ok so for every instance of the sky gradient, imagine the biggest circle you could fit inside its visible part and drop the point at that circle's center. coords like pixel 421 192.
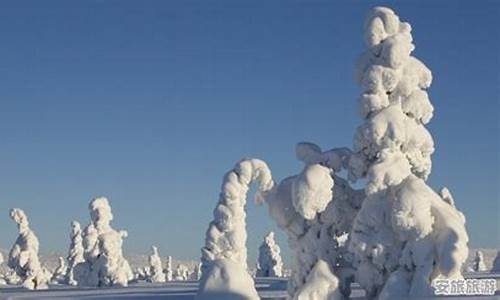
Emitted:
pixel 150 102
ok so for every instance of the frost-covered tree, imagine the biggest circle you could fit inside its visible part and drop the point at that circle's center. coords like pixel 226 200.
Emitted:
pixel 75 253
pixel 269 261
pixel 181 272
pixel 23 257
pixel 59 275
pixel 316 209
pixel 168 269
pixel 496 264
pixel 478 262
pixel 155 268
pixel 104 263
pixel 224 256
pixel 405 234
pixel 196 275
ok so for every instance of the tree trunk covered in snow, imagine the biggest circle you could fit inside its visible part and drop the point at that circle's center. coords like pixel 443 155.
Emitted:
pixel 405 234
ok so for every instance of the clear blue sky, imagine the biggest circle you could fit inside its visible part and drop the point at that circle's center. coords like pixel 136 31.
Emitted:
pixel 151 102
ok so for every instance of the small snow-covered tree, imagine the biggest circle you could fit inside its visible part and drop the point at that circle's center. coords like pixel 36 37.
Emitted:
pixel 224 256
pixel 104 263
pixel 168 269
pixel 155 268
pixel 405 234
pixel 196 275
pixel 59 274
pixel 23 257
pixel 181 272
pixel 496 264
pixel 478 262
pixel 75 253
pixel 269 261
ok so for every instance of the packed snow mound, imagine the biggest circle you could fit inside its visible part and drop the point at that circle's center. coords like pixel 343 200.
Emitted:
pixel 23 256
pixel 405 234
pixel 224 279
pixel 321 284
pixel 269 261
pixel 226 236
pixel 104 263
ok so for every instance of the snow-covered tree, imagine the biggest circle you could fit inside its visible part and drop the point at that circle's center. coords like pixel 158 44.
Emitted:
pixel 496 264
pixel 104 263
pixel 23 257
pixel 316 209
pixel 168 269
pixel 59 274
pixel 405 234
pixel 181 272
pixel 75 253
pixel 478 262
pixel 269 261
pixel 224 256
pixel 196 275
pixel 155 268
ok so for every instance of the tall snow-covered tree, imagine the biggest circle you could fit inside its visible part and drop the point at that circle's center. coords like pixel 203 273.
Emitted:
pixel 169 273
pixel 269 262
pixel 405 233
pixel 181 272
pixel 23 257
pixel 224 256
pixel 155 267
pixel 104 263
pixel 75 252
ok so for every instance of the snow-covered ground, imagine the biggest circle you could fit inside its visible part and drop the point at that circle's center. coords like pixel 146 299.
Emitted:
pixel 268 288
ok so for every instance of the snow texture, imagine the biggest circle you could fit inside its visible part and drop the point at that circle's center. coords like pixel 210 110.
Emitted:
pixel 405 234
pixel 224 256
pixel 75 253
pixel 104 263
pixel 155 267
pixel 269 261
pixel 23 257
